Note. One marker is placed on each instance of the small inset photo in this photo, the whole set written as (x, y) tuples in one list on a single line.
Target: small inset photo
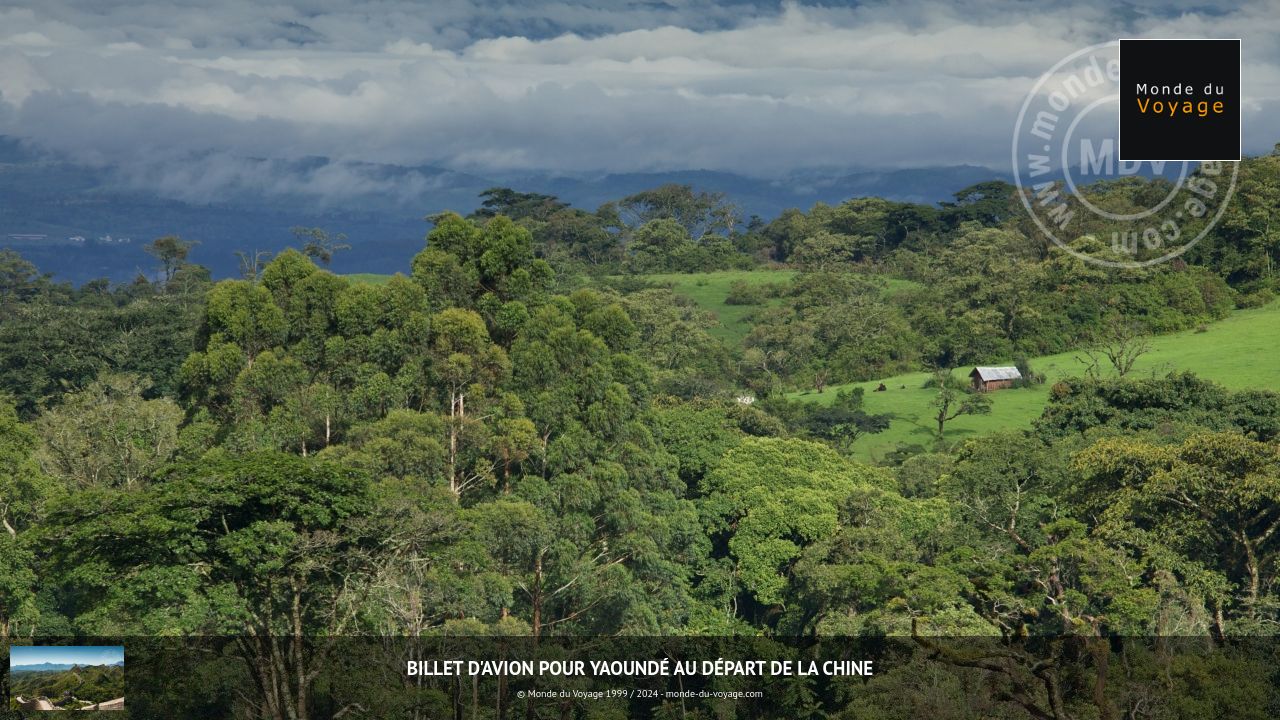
[(66, 677)]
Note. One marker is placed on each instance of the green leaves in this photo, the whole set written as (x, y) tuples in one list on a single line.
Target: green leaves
[(108, 435), (1210, 504), (773, 497), (230, 535), (246, 314)]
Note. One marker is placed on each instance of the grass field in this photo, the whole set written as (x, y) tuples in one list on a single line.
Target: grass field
[(1238, 352), (709, 290)]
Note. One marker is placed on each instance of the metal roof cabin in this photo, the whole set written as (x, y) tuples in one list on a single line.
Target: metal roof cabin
[(986, 379)]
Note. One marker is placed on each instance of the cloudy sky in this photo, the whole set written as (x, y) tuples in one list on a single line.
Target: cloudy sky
[(760, 88)]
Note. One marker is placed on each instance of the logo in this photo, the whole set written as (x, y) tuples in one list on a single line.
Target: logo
[(1086, 200)]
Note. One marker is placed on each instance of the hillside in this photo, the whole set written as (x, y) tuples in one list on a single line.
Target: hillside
[(710, 289), (1238, 352), (707, 289), (70, 689)]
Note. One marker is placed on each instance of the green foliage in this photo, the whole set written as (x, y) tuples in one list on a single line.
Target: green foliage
[(109, 435), (769, 498), (1205, 511), (1159, 403), (171, 251), (70, 689), (221, 545), (465, 265), (57, 340), (488, 447)]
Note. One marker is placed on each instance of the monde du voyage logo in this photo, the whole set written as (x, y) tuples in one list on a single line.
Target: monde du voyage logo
[(1165, 110)]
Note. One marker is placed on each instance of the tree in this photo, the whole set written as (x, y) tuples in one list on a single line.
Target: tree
[(1177, 400), (171, 251), (1122, 342), (655, 244), (844, 421), (466, 362), (19, 279), (987, 202), (465, 265), (698, 212), (107, 435), (244, 313), (517, 205), (23, 488), (318, 244), (1213, 499), (951, 402), (769, 498), (251, 263), (18, 584), (267, 547), (24, 491)]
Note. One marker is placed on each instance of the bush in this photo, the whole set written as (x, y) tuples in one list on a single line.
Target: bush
[(1255, 299), (1030, 378), (743, 293)]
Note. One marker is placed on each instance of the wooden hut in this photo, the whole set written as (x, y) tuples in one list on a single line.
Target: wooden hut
[(986, 379)]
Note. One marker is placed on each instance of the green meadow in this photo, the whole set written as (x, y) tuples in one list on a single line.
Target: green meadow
[(709, 290), (1242, 351)]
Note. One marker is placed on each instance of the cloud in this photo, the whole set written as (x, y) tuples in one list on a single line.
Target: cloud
[(756, 88)]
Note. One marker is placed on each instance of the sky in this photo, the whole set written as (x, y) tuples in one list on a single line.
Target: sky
[(20, 655), (758, 88)]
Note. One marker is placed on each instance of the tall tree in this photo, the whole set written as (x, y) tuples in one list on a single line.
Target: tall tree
[(318, 244), (269, 548), (108, 435), (171, 251)]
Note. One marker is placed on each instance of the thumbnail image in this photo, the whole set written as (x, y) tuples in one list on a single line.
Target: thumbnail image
[(66, 677)]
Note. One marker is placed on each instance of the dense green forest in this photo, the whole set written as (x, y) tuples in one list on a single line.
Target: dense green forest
[(530, 434)]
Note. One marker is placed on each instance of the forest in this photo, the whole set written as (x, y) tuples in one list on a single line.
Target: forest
[(531, 434)]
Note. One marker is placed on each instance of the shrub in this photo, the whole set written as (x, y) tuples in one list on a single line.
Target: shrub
[(1030, 378), (743, 293), (1255, 299)]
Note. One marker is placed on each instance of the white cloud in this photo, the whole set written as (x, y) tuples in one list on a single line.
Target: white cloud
[(754, 88)]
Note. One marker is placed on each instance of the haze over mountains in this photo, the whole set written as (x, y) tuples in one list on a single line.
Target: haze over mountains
[(82, 221), (56, 667)]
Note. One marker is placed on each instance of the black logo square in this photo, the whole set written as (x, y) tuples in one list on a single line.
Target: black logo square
[(1179, 99)]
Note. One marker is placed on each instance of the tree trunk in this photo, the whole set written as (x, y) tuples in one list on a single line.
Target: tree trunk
[(1251, 567), (536, 595)]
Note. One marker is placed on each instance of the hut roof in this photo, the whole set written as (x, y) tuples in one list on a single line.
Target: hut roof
[(996, 373)]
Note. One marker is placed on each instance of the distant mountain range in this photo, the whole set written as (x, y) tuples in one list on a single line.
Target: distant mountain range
[(82, 221), (57, 667)]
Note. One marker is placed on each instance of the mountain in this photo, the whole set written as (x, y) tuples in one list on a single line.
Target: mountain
[(59, 667), (81, 221), (40, 667), (68, 686)]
